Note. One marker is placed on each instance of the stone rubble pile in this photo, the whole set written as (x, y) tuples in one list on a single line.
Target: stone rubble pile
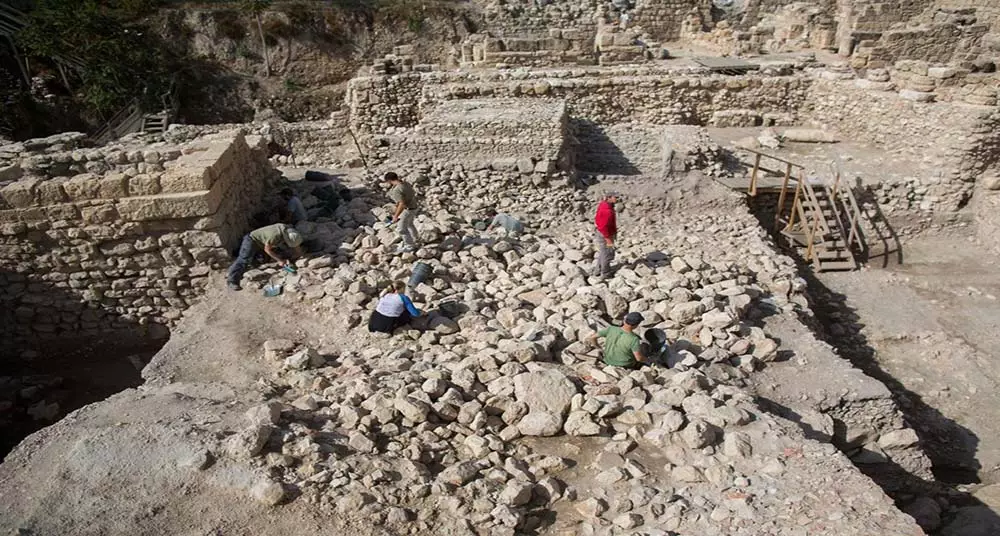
[(443, 427)]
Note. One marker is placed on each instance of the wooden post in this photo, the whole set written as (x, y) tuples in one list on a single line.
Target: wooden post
[(781, 196), (812, 233), (753, 176), (795, 201)]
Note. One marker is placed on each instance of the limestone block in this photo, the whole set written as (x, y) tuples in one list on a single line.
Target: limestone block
[(916, 96), (99, 214), (143, 185), (176, 256), (170, 206), (941, 72), (197, 239), (10, 173), (186, 179), (113, 186), (62, 212), (82, 187), (20, 194)]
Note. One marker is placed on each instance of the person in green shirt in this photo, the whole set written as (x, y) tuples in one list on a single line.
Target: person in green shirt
[(622, 347), (268, 239)]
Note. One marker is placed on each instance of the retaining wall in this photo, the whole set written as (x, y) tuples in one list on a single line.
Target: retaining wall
[(603, 95), (87, 253)]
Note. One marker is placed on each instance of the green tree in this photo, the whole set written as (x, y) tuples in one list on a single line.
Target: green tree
[(118, 59), (256, 8)]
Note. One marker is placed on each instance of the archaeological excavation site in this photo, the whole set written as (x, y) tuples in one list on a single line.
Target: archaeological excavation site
[(374, 267)]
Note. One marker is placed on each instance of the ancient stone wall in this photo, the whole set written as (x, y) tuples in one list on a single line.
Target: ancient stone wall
[(946, 83), (607, 96), (129, 242), (950, 142), (324, 142), (555, 47), (663, 19), (938, 43), (523, 135)]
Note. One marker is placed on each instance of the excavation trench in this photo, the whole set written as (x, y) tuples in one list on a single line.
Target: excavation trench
[(45, 381), (950, 447)]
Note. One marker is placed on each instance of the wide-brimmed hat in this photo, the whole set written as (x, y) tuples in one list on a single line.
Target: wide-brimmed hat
[(292, 237)]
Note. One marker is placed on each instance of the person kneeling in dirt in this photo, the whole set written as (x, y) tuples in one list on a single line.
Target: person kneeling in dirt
[(509, 223), (268, 239), (394, 309), (622, 347)]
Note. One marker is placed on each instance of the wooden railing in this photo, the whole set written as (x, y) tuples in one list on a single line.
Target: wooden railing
[(806, 211), (124, 120)]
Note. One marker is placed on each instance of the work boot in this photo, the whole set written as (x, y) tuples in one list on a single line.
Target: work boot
[(233, 285)]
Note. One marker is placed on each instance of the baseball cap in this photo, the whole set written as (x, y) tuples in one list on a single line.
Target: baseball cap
[(634, 319)]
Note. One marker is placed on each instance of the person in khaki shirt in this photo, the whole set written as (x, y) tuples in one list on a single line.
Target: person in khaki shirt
[(267, 239), (405, 211)]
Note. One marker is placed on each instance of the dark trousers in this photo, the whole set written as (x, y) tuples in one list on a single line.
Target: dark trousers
[(248, 250), (387, 324)]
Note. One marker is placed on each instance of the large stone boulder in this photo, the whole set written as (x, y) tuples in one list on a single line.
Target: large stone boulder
[(545, 390)]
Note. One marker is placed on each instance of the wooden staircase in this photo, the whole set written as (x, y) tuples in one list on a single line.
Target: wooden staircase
[(155, 123), (819, 219)]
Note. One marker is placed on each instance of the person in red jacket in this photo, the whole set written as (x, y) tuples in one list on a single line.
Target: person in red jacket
[(604, 236)]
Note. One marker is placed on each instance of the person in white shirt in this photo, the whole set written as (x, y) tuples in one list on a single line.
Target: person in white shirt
[(394, 309)]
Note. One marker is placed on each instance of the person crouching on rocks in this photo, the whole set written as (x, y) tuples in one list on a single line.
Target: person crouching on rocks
[(510, 224), (622, 347), (268, 239), (394, 309)]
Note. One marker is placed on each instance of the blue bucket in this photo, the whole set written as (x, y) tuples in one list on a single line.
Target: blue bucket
[(421, 271)]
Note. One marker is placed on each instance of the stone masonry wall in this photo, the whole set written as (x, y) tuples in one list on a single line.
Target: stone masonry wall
[(603, 95), (526, 135), (90, 252), (952, 142)]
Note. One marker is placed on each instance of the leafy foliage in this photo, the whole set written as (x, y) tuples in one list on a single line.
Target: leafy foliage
[(255, 7), (121, 59)]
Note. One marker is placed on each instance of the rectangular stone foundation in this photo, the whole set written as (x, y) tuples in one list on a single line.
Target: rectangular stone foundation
[(523, 135), (91, 252)]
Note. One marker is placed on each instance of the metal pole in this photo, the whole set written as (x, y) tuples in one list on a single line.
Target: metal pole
[(358, 146)]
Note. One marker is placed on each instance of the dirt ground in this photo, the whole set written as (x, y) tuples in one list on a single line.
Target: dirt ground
[(928, 328)]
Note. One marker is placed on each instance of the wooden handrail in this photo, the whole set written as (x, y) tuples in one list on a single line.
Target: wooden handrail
[(771, 156), (781, 196), (753, 176), (796, 201), (855, 212)]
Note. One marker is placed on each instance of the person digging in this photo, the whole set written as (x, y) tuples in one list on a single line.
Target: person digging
[(268, 239), (622, 347)]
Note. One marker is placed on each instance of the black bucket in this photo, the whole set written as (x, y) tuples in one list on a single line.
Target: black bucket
[(657, 339), (316, 176), (421, 271)]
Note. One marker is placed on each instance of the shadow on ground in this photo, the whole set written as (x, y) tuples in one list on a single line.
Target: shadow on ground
[(598, 153), (50, 370)]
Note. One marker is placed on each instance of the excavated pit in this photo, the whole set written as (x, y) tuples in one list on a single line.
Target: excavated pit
[(44, 382)]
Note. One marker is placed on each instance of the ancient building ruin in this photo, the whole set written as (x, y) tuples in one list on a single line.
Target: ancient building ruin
[(749, 138)]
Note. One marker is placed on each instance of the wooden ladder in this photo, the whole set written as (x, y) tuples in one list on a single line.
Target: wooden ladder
[(154, 123)]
